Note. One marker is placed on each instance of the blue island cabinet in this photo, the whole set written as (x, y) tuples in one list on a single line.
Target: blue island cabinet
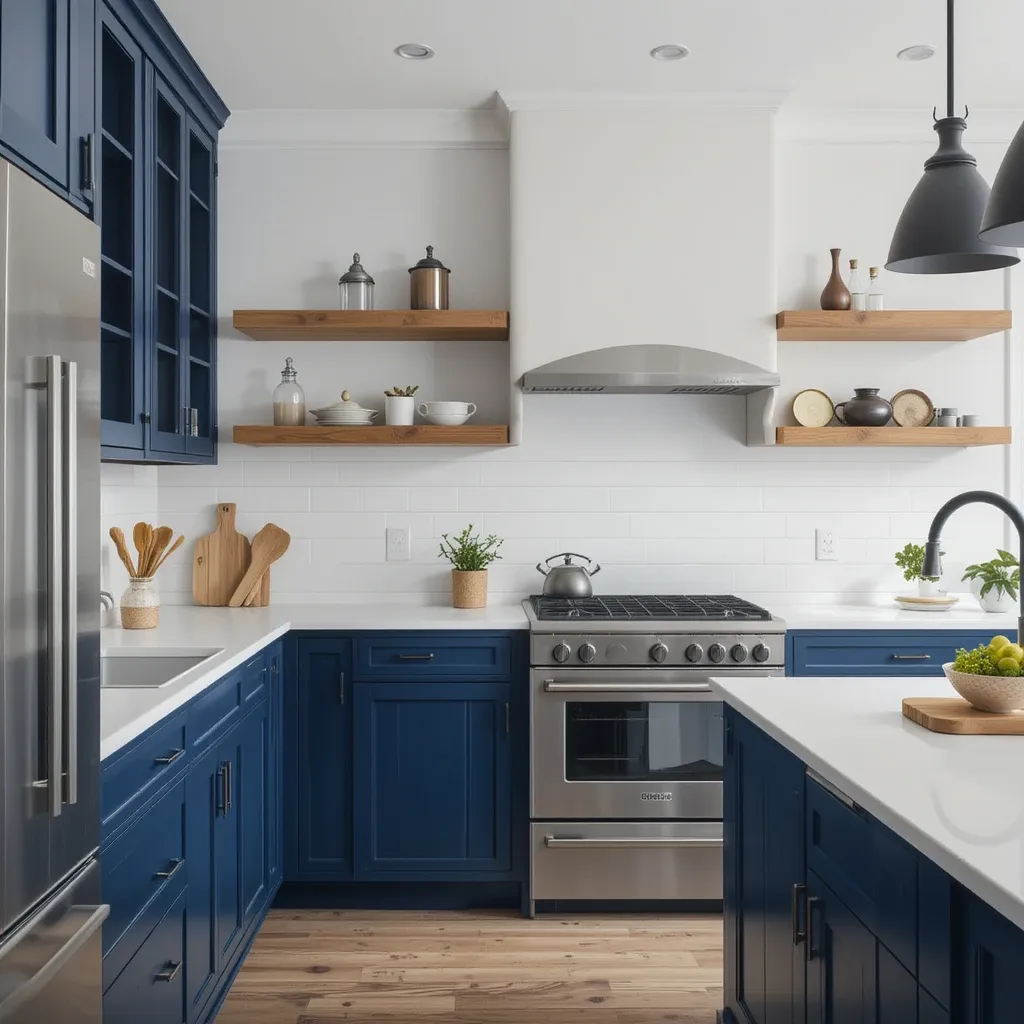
[(432, 780)]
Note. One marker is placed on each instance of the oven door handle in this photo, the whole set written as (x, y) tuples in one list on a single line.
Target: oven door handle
[(632, 842), (550, 686)]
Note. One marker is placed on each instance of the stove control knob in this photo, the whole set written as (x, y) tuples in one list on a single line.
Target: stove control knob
[(659, 652), (739, 652), (587, 653), (561, 653), (716, 652), (694, 653), (762, 653)]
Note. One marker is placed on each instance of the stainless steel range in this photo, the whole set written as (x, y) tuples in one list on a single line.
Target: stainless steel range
[(627, 741)]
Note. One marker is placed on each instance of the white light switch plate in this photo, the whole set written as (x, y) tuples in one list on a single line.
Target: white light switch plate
[(825, 546), (398, 544)]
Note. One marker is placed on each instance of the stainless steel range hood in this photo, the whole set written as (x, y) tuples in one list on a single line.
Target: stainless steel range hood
[(650, 370)]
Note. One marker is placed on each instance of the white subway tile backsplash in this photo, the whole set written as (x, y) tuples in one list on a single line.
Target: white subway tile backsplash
[(336, 499), (433, 499), (707, 551), (313, 474), (836, 499), (708, 524), (267, 499), (385, 499), (685, 499), (533, 499)]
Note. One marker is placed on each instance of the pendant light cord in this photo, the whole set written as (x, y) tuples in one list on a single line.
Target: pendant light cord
[(949, 58)]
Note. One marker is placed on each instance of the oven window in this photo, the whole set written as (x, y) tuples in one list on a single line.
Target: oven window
[(632, 740)]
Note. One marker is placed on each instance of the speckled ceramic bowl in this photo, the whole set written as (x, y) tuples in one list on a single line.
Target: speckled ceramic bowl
[(998, 694)]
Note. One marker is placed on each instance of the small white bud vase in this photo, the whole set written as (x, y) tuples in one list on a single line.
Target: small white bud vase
[(399, 410), (140, 604)]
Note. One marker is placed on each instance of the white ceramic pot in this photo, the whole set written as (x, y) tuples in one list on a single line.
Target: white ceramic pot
[(140, 604), (928, 588), (399, 410), (447, 414), (995, 600)]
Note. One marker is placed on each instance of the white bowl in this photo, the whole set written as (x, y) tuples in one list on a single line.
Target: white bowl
[(998, 694), (446, 414), (446, 421)]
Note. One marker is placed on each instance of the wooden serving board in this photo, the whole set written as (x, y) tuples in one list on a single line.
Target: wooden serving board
[(954, 716), (220, 561)]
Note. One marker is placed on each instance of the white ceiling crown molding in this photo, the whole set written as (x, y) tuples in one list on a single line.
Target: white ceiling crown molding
[(364, 129), (856, 127), (511, 102)]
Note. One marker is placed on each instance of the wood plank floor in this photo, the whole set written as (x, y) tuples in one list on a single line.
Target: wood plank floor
[(479, 967)]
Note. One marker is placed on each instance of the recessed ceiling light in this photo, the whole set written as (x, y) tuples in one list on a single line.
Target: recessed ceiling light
[(670, 51), (919, 51), (414, 51)]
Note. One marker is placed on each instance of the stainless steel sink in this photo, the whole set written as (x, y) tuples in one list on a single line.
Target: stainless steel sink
[(150, 669)]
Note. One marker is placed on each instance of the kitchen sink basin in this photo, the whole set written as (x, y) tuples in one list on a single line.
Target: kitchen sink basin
[(149, 669)]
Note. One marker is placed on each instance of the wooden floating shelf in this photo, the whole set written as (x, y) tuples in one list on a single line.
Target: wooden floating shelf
[(881, 437), (373, 324), (483, 435), (890, 324)]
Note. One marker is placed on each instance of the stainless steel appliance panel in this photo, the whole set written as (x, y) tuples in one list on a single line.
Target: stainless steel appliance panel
[(51, 967), (626, 860), (49, 556)]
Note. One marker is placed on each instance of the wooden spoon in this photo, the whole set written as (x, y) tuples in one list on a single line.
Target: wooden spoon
[(174, 547), (143, 537), (117, 536), (255, 592), (161, 538), (267, 546)]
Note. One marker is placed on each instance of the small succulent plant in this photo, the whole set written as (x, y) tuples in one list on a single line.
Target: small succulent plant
[(406, 392)]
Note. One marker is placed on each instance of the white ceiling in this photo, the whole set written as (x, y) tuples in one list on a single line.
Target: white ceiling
[(337, 54)]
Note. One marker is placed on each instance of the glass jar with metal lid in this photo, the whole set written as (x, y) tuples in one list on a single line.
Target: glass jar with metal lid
[(356, 286), (428, 283)]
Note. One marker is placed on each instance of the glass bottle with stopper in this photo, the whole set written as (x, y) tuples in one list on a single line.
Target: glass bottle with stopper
[(289, 399), (356, 286), (858, 297), (876, 300)]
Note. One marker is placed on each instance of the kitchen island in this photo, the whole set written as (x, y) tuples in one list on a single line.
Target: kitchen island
[(874, 870)]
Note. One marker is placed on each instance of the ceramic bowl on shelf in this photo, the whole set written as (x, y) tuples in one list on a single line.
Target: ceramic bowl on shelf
[(998, 694), (446, 414), (346, 413)]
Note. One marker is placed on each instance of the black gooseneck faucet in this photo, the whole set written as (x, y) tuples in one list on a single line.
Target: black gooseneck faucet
[(932, 556)]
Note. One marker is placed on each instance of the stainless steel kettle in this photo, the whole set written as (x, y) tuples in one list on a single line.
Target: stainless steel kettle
[(567, 579)]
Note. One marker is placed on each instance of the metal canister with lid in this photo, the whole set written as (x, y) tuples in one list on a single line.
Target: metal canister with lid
[(356, 286), (428, 283)]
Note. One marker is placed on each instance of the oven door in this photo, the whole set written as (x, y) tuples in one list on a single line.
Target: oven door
[(625, 743)]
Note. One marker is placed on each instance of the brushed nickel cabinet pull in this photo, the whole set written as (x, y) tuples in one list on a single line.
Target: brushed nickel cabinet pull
[(170, 971), (169, 758), (178, 864)]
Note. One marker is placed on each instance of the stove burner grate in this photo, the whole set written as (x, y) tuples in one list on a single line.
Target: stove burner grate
[(706, 607)]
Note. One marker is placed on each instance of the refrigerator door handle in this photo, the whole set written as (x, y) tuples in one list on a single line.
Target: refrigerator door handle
[(55, 589), (27, 992), (70, 411)]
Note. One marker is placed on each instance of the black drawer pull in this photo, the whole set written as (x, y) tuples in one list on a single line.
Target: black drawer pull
[(812, 905), (171, 871), (799, 892), (416, 657), (911, 657), (169, 758), (170, 972)]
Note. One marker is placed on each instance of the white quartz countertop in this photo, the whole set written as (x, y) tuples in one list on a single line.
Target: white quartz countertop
[(959, 800), (240, 633), (964, 615)]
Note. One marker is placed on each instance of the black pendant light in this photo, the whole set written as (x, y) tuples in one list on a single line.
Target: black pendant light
[(1003, 223), (938, 230)]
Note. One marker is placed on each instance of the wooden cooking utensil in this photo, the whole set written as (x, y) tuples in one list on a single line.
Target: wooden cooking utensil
[(143, 537), (220, 560), (267, 546), (161, 538), (121, 546), (174, 547)]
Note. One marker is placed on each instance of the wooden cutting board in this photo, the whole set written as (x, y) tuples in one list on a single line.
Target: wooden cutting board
[(954, 716), (220, 561)]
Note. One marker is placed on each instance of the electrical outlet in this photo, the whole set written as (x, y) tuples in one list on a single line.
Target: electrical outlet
[(825, 545), (398, 544)]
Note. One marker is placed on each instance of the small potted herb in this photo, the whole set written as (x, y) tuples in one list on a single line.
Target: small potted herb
[(995, 584), (470, 555), (400, 406), (911, 561)]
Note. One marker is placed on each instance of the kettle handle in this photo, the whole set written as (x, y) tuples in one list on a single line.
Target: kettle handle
[(567, 555)]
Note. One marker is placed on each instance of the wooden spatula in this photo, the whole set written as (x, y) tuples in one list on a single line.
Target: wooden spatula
[(267, 547), (143, 536), (121, 545), (161, 538), (174, 547)]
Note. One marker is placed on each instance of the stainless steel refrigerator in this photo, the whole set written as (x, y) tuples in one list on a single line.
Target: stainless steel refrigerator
[(50, 908)]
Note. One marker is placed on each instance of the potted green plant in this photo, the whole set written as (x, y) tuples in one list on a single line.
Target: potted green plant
[(469, 555), (400, 406), (995, 583), (911, 561)]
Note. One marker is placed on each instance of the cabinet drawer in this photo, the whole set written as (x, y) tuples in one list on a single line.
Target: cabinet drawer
[(430, 655), (883, 653), (144, 862), (214, 712), (152, 986), (868, 867), (254, 679), (134, 774)]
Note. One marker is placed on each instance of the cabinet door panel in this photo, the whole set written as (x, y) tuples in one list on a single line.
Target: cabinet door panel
[(897, 990), (432, 778), (275, 863), (34, 58), (253, 794), (319, 761), (990, 962), (204, 802), (228, 840), (82, 139)]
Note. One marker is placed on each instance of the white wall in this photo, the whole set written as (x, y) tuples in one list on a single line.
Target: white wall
[(661, 490), (128, 495)]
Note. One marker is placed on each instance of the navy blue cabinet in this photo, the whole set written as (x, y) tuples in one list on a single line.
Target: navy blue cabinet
[(764, 874), (275, 836), (432, 779), (318, 765), (254, 783), (989, 962)]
